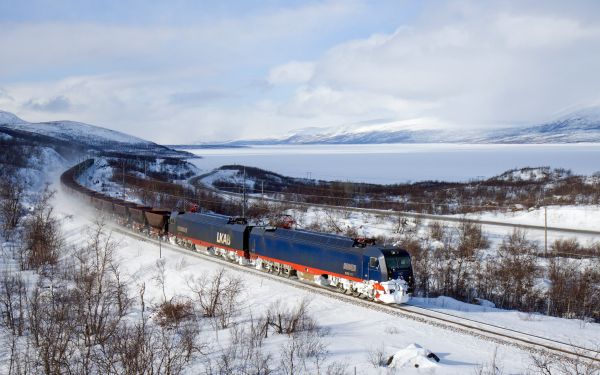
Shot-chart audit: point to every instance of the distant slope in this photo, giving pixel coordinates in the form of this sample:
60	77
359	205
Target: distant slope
580	126
81	136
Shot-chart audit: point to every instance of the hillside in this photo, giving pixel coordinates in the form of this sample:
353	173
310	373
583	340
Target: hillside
81	137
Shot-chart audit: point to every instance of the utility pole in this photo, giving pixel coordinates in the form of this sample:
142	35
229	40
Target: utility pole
123	176
262	189
244	195
546	231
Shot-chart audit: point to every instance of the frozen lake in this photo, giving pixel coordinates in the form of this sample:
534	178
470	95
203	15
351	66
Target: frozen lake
392	163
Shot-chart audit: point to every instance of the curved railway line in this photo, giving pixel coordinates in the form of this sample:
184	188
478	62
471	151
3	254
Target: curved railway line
501	335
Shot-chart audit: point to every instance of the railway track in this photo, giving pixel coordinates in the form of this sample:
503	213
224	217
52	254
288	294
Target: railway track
451	219
489	332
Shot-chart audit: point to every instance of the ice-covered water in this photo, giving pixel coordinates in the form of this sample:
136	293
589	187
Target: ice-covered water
391	163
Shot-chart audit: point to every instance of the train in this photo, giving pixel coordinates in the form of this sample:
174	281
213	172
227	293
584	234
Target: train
355	266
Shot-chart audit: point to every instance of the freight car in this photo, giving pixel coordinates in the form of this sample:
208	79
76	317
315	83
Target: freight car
355	266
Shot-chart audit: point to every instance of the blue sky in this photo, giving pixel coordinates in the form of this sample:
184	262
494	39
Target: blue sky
187	71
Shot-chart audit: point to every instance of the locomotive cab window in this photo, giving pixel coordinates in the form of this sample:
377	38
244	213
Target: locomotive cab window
373	262
402	262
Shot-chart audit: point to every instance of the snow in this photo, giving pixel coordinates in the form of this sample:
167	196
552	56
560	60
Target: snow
571	331
228	175
568	216
75	130
84	134
414	356
532	174
221	175
9	118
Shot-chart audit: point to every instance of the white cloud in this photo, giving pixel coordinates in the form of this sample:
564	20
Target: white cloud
485	68
292	72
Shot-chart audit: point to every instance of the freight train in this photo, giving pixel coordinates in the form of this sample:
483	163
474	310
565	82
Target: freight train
355	266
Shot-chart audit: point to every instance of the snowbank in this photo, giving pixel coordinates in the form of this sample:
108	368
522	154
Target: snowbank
413	356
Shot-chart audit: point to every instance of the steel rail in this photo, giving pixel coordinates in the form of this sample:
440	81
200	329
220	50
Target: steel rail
446	218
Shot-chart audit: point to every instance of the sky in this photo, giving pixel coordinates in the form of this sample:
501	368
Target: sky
180	72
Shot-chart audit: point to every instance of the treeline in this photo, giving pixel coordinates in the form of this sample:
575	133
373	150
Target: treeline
458	262
526	187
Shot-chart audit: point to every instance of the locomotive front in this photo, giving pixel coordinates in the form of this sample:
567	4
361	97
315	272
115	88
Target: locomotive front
392	268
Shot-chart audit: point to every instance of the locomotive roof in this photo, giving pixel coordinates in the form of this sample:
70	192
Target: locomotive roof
321	239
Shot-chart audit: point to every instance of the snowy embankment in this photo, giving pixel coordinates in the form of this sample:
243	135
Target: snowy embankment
353	332
572	217
571	331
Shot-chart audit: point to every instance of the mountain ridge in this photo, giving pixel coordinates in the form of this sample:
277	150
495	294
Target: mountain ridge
81	136
576	127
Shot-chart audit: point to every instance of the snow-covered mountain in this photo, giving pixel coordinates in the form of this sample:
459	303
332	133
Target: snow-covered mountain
80	135
580	126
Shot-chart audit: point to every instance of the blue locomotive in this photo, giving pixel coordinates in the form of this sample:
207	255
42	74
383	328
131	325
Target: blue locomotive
355	266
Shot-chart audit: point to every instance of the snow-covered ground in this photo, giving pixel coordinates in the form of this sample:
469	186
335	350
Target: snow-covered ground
574	217
354	333
570	331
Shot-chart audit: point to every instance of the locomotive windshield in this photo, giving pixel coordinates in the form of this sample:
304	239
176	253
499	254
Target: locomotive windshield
398	265
397	262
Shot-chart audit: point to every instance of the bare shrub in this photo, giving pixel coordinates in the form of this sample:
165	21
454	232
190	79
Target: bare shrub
302	350
42	236
376	356
565	246
12	194
174	311
52	322
217	296
244	355
160	276
288	320
13	302
336	368
145	348
545	363
515	272
436	230
492	367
